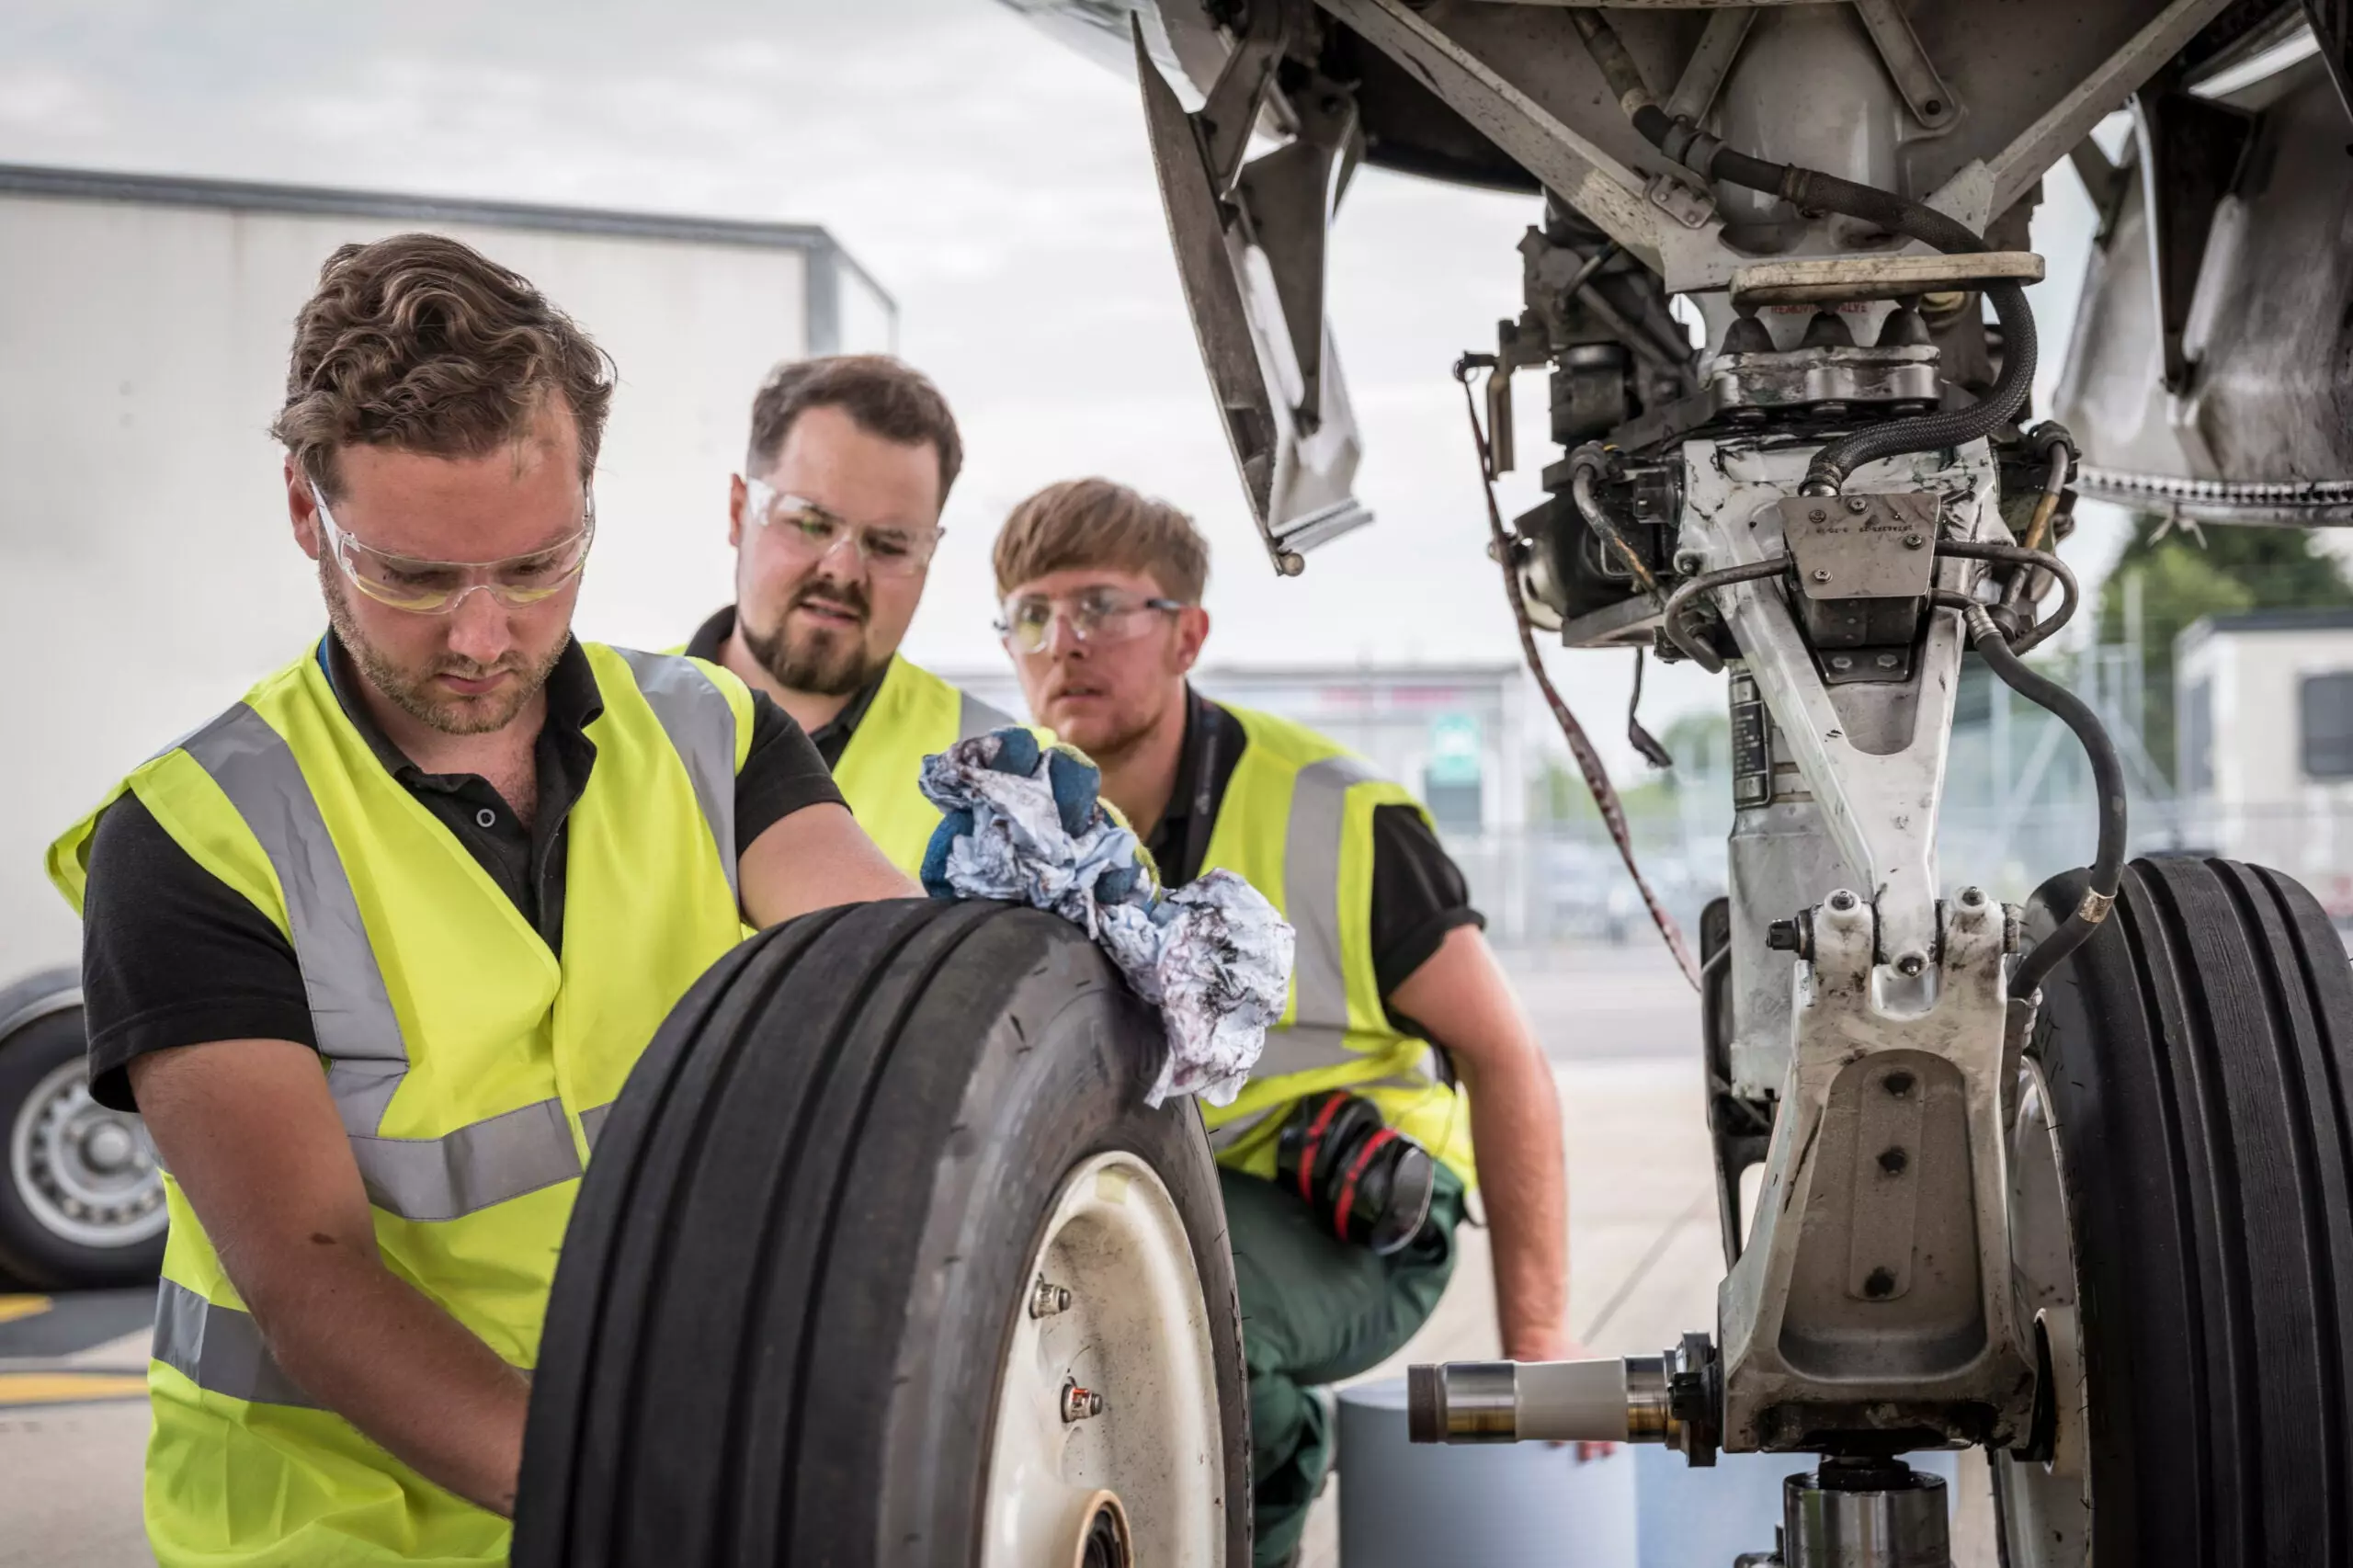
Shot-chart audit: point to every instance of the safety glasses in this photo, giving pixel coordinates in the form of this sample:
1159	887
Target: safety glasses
437	587
1098	617
809	533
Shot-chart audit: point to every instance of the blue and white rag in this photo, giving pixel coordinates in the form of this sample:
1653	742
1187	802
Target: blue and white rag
1022	823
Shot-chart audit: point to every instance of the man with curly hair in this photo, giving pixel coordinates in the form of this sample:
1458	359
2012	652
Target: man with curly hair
374	950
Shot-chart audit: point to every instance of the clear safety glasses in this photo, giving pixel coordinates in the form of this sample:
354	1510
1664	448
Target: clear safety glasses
436	587
810	533
1099	616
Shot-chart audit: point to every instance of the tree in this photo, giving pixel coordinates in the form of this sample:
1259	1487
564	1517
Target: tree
2186	574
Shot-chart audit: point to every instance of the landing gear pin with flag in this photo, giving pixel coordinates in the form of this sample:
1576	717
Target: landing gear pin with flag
882	1260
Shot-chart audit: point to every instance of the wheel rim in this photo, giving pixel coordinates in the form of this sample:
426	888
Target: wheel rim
1107	1448
87	1174
2046	1505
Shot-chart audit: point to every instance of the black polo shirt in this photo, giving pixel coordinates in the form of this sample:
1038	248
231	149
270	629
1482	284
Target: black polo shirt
1418	893
832	737
173	956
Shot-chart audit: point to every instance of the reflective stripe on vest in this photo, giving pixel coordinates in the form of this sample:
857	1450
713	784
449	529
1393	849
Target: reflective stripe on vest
1296	820
220	1349
500	1157
358	1032
700	723
1313	840
974	717
914	715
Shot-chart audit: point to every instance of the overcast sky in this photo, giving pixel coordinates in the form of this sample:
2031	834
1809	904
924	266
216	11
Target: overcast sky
995	182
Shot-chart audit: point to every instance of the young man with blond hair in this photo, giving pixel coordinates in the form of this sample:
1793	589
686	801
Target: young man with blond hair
834	521
1398	1006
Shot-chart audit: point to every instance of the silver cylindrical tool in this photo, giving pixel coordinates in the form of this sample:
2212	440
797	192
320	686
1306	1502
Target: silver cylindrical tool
1835	1527
1509	1402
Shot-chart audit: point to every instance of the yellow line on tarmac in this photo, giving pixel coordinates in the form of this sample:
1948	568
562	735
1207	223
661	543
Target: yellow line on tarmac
68	1387
15	1307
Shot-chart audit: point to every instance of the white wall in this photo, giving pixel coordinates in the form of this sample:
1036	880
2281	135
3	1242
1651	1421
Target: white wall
146	573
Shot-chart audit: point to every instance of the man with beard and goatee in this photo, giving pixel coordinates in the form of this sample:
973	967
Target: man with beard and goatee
374	950
833	520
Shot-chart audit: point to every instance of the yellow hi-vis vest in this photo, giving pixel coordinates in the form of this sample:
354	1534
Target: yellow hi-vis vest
1296	822
472	1067
914	715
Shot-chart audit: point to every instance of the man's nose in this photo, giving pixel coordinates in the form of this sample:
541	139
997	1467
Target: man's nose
1063	641
479	628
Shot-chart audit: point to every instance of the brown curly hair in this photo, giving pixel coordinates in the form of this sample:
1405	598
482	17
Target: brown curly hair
424	344
882	396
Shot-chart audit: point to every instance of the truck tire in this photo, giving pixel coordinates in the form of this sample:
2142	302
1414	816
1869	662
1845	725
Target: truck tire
881	1260
81	1196
2182	1223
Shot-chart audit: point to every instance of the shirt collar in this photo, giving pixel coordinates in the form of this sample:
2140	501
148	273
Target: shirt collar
574	700
712	636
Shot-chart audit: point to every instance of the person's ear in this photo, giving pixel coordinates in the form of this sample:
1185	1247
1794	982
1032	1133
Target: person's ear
1192	630
301	509
736	497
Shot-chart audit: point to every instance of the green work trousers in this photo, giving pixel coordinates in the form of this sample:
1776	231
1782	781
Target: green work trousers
1314	1310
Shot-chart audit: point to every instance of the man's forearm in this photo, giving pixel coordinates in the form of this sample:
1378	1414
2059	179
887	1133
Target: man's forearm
1516	1127
370	1346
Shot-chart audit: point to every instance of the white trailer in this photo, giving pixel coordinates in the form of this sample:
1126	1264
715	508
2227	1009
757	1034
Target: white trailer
146	573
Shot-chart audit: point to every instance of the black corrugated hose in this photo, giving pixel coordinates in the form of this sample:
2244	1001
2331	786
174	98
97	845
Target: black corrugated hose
2107	782
1815	190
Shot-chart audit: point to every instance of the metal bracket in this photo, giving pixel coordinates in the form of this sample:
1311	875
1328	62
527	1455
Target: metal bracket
1875	768
1239	95
1930	99
1874	1294
1710	62
1571	166
1843	278
1289	197
1863	547
1687	204
1295	442
2191	152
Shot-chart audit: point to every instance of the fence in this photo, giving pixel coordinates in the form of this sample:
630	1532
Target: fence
1563	883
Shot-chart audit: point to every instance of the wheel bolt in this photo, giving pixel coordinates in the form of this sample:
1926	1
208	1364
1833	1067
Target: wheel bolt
1048	1299
1079	1404
1910	965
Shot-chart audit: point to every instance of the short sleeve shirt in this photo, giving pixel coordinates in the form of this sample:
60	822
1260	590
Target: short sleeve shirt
1419	893
173	956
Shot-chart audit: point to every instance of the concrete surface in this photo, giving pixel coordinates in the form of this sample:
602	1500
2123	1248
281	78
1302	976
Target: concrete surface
1619	1025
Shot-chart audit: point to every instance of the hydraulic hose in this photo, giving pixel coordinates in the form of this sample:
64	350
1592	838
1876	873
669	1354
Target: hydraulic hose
2108	781
1812	189
2032	560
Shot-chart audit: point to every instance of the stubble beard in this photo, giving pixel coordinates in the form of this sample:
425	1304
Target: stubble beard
832	663
410	690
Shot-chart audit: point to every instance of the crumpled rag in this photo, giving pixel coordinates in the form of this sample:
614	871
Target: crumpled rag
1022	823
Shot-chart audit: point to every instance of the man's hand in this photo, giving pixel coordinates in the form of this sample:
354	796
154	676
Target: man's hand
248	1129
815	858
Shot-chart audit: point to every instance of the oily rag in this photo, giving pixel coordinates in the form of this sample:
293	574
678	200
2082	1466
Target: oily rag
1021	822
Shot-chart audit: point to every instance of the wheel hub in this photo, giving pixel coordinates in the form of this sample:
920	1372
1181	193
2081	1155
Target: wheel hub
87	1174
1107	1444
1105	1543
2046	1498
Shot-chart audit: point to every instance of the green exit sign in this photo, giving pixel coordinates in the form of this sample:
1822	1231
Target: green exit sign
1454	749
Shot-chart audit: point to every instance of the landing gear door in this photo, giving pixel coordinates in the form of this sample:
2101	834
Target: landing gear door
1249	246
